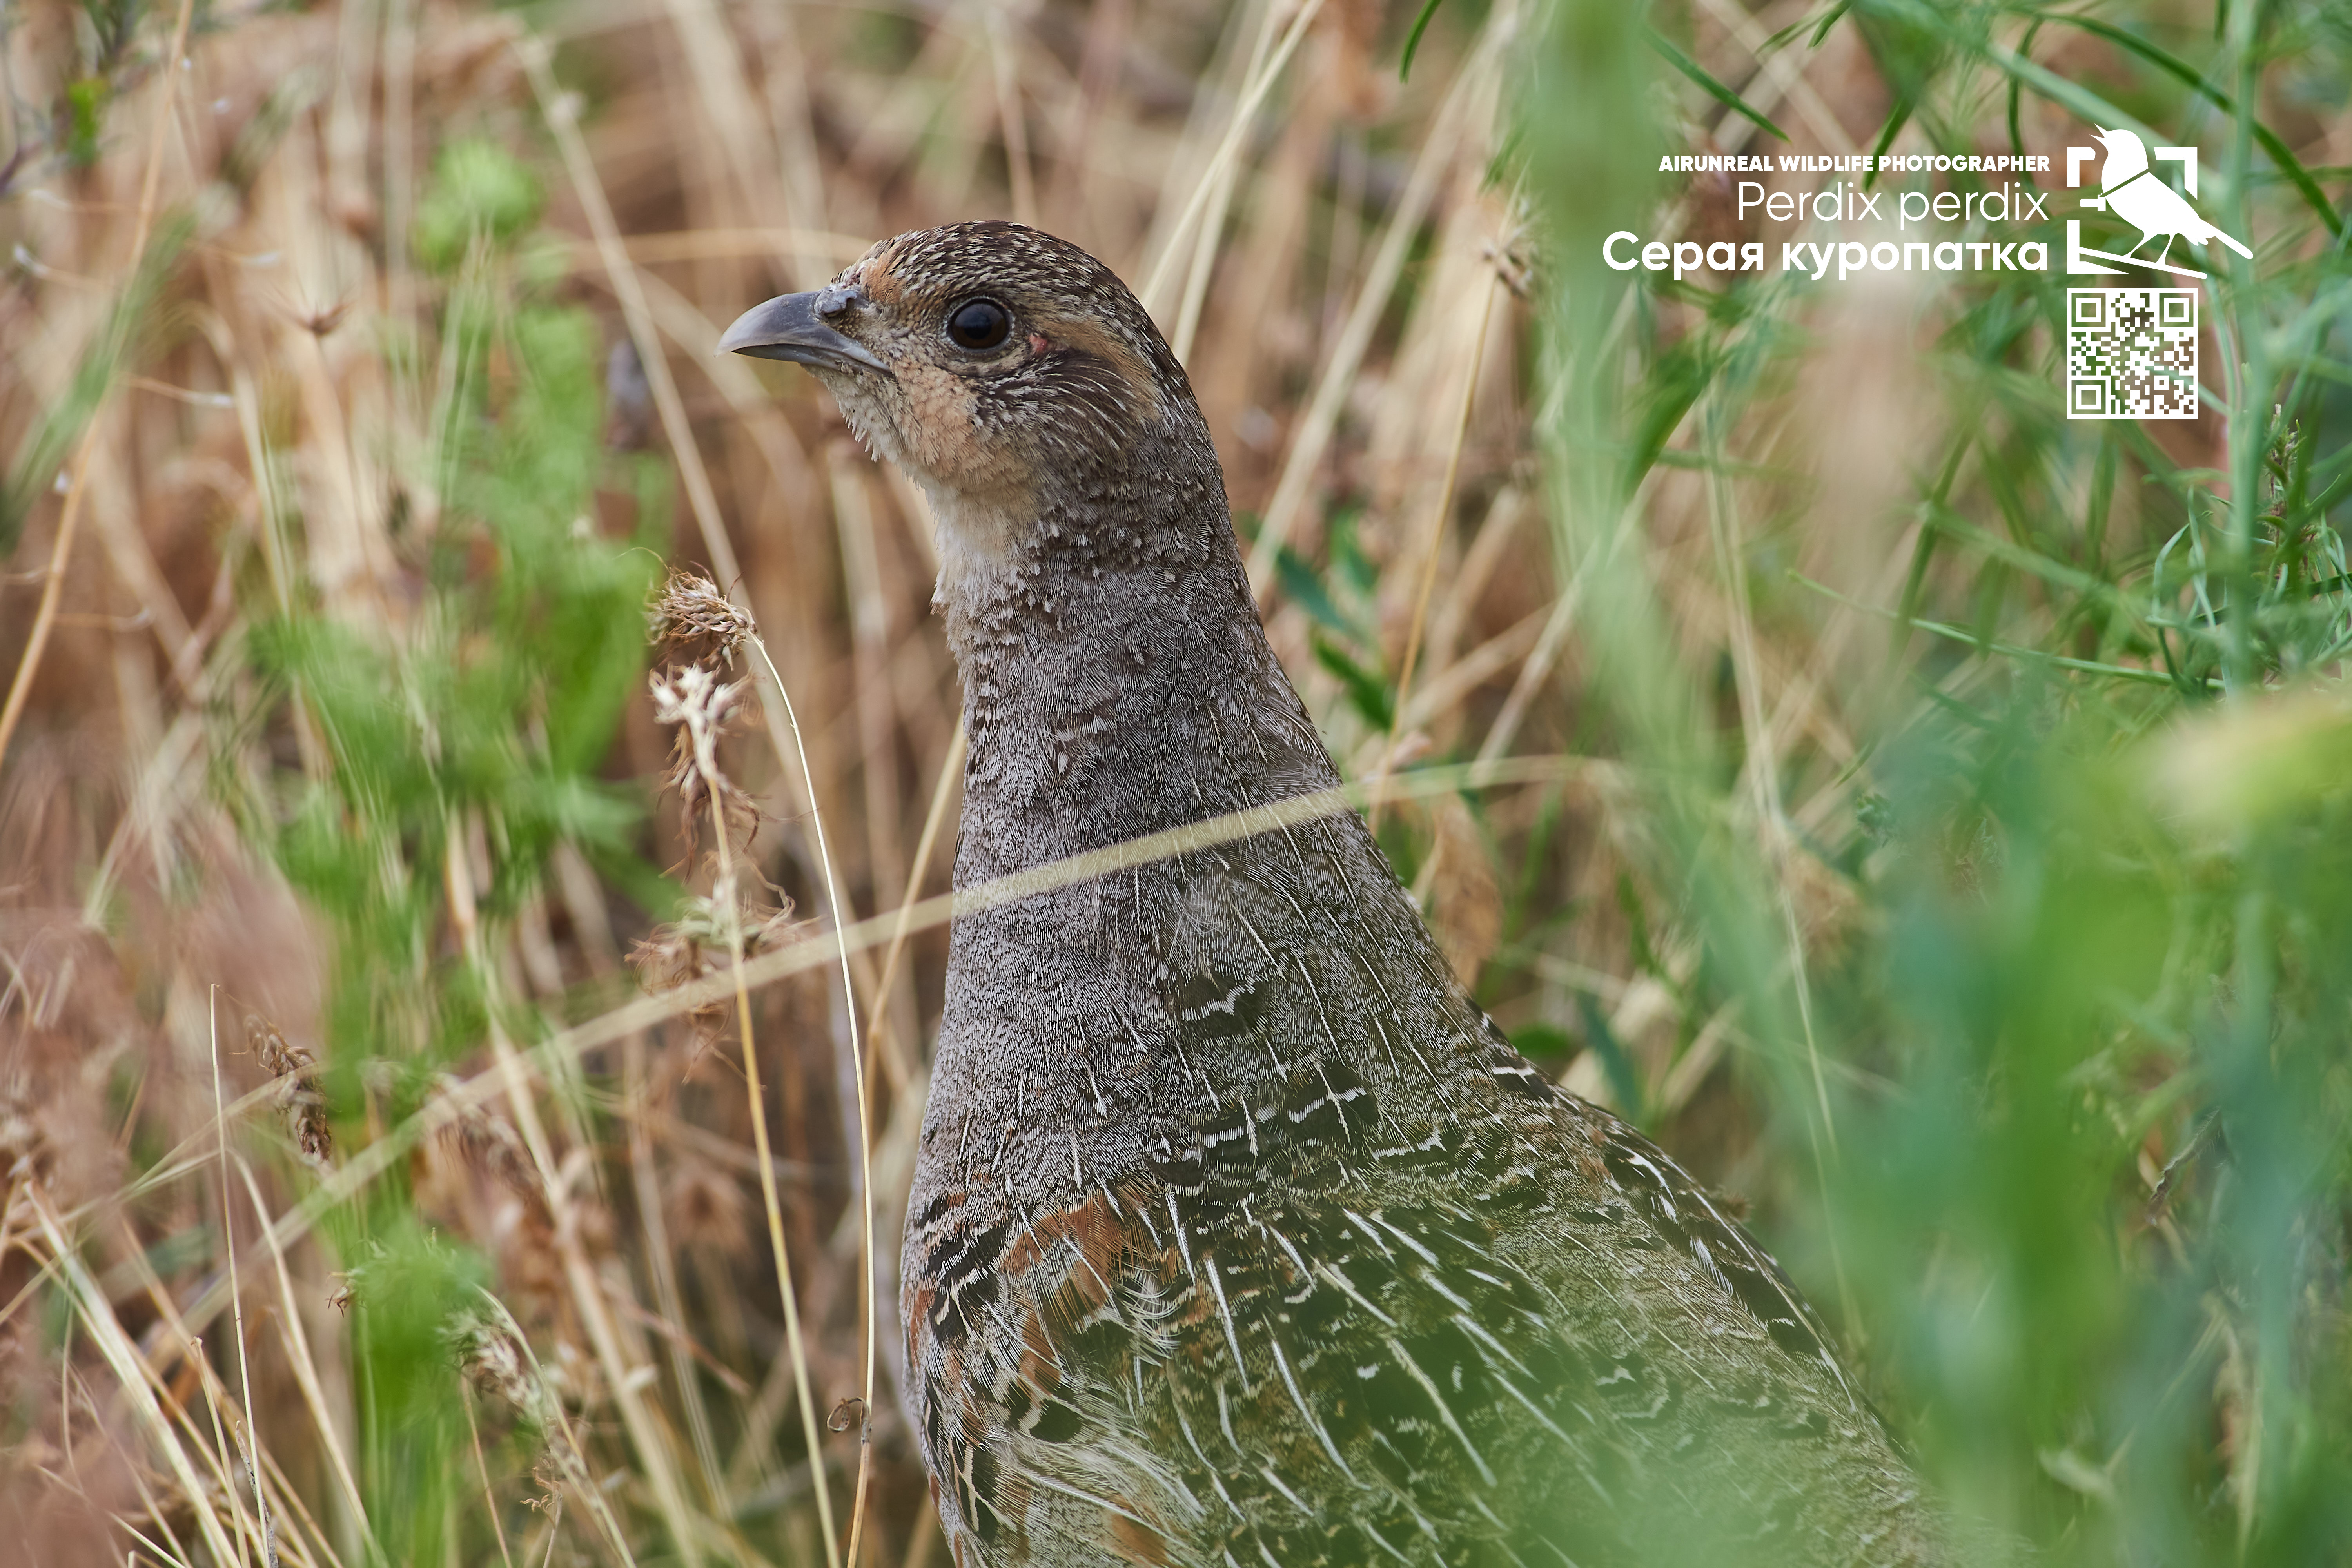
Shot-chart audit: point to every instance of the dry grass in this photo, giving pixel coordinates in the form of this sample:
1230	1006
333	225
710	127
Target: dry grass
228	345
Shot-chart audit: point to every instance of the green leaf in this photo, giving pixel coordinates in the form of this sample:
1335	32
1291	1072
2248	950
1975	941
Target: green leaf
1413	40
479	191
1708	84
1675	384
1543	1042
1615	1065
1367	692
86	102
1302	587
1354	569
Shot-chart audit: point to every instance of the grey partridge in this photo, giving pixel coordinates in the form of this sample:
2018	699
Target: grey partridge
1239	1235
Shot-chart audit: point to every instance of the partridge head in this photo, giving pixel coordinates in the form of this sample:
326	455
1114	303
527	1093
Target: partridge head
1011	375
1238	1234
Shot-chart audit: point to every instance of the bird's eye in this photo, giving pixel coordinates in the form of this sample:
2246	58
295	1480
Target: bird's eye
978	324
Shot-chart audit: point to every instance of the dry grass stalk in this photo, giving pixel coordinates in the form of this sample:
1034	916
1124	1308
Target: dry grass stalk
248	1440
96	1318
305	1369
700	705
865	1140
1438	517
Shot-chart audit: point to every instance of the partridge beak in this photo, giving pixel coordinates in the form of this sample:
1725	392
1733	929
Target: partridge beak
792	327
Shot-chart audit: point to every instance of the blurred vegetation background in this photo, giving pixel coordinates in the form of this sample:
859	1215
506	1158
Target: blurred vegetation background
1925	816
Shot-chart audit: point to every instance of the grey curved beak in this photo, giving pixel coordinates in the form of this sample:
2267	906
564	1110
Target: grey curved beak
789	327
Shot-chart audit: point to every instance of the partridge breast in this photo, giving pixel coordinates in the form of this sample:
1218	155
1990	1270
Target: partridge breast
1382	1295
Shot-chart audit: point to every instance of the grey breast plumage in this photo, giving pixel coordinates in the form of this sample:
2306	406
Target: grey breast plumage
1373	1292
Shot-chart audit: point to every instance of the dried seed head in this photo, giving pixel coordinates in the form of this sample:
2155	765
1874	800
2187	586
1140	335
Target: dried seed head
299	1102
688	947
698	942
491	1145
704	709
666	959
25	1151
495	1362
551	1473
695	698
1514	259
690	612
318	323
707	923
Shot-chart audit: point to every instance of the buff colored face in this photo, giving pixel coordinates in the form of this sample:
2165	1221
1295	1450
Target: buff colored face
986	381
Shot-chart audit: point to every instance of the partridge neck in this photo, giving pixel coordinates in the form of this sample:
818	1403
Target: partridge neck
1118	682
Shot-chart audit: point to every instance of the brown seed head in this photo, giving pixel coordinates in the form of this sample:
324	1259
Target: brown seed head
690	617
298	1101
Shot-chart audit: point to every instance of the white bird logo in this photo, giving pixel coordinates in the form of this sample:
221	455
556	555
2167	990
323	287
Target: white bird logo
2132	193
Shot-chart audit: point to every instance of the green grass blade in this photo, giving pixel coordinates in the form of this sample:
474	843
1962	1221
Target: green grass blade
1413	40
1708	84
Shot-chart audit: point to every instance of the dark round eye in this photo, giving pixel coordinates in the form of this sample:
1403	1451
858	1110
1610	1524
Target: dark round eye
978	324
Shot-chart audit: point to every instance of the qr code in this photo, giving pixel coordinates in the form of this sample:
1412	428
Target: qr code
2131	353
